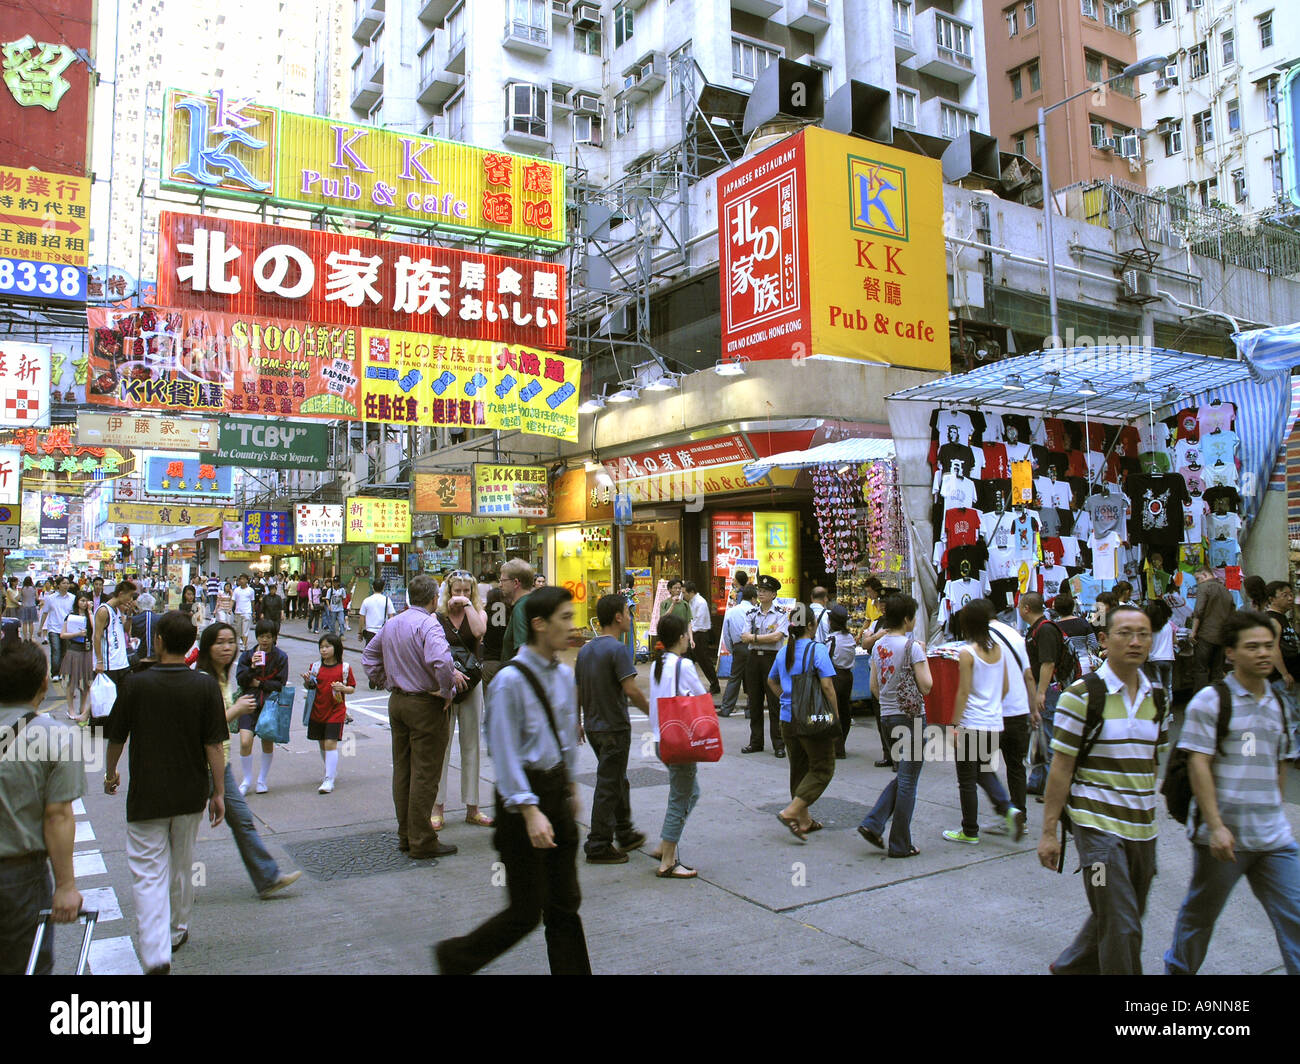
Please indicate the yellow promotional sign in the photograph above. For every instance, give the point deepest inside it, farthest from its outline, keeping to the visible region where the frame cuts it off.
(510, 490)
(135, 513)
(776, 546)
(219, 142)
(463, 527)
(46, 219)
(417, 378)
(877, 273)
(370, 520)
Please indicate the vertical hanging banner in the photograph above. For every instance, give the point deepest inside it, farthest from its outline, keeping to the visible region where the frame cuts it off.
(56, 512)
(24, 385)
(268, 528)
(11, 475)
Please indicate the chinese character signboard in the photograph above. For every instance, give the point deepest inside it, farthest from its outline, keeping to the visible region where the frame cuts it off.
(179, 516)
(442, 493)
(466, 527)
(179, 475)
(855, 271)
(318, 523)
(510, 491)
(56, 511)
(24, 385)
(684, 472)
(150, 432)
(776, 546)
(372, 520)
(241, 149)
(11, 475)
(259, 444)
(733, 539)
(268, 528)
(51, 457)
(111, 284)
(46, 96)
(11, 534)
(232, 535)
(237, 267)
(44, 232)
(69, 365)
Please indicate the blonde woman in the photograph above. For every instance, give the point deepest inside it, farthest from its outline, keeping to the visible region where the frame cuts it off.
(465, 623)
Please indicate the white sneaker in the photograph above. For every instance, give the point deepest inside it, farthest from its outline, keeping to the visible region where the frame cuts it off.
(995, 827)
(326, 785)
(243, 787)
(262, 788)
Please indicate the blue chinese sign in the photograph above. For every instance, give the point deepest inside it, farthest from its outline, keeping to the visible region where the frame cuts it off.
(268, 528)
(44, 280)
(177, 475)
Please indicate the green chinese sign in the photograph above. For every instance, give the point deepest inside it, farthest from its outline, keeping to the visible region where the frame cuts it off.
(259, 444)
(51, 457)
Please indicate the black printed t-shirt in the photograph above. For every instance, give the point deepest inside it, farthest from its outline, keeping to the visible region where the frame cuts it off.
(1157, 507)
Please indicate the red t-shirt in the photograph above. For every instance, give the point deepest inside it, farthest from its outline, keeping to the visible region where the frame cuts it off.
(995, 462)
(1129, 444)
(1055, 431)
(962, 527)
(1189, 427)
(325, 710)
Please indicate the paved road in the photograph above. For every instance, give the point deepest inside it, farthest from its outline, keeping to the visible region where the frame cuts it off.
(764, 902)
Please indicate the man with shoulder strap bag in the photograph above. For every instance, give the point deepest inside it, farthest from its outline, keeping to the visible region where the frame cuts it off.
(1226, 781)
(532, 732)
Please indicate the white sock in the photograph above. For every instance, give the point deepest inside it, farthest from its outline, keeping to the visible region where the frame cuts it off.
(246, 763)
(323, 755)
(331, 763)
(266, 765)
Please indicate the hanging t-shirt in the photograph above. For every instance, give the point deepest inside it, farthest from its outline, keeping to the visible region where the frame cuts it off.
(1052, 520)
(1022, 483)
(1096, 437)
(1222, 475)
(957, 459)
(958, 594)
(995, 462)
(1187, 453)
(991, 520)
(1194, 478)
(1106, 513)
(1025, 531)
(1019, 422)
(1047, 462)
(1230, 497)
(1051, 577)
(1218, 447)
(1114, 471)
(1156, 462)
(1017, 452)
(1157, 508)
(1216, 416)
(989, 493)
(1095, 462)
(1157, 580)
(1037, 431)
(1194, 511)
(1105, 556)
(992, 426)
(1084, 590)
(965, 563)
(1128, 443)
(1054, 434)
(957, 492)
(1052, 492)
(1000, 541)
(958, 419)
(1189, 427)
(1152, 436)
(1191, 557)
(961, 527)
(1052, 549)
(1222, 526)
(1224, 552)
(1069, 551)
(1027, 577)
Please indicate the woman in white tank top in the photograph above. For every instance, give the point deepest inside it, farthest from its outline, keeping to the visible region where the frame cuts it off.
(981, 687)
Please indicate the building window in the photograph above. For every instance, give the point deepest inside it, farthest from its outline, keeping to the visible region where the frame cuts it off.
(1275, 164)
(1115, 18)
(1270, 98)
(1035, 80)
(1239, 186)
(1013, 26)
(1208, 192)
(1164, 11)
(587, 129)
(1234, 116)
(1089, 8)
(530, 21)
(953, 122)
(1203, 128)
(1019, 143)
(1092, 67)
(454, 118)
(953, 37)
(1122, 85)
(676, 72)
(587, 41)
(1097, 131)
(624, 117)
(526, 109)
(622, 24)
(749, 59)
(1198, 61)
(1265, 30)
(1173, 137)
(1229, 40)
(1016, 91)
(906, 107)
(1031, 14)
(902, 16)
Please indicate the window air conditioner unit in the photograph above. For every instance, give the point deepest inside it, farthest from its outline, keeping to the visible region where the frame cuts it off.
(1106, 144)
(1171, 73)
(586, 16)
(1163, 84)
(1126, 7)
(1127, 146)
(1138, 285)
(586, 103)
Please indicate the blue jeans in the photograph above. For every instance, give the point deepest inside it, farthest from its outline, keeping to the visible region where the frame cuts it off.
(1161, 673)
(333, 619)
(898, 799)
(1038, 774)
(212, 605)
(56, 652)
(262, 868)
(683, 793)
(1274, 876)
(25, 889)
(975, 752)
(735, 681)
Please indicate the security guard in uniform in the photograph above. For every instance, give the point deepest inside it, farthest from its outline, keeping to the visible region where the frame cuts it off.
(768, 625)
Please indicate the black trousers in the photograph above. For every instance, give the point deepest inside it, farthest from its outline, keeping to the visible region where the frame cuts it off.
(702, 655)
(843, 697)
(756, 689)
(1015, 748)
(611, 807)
(543, 886)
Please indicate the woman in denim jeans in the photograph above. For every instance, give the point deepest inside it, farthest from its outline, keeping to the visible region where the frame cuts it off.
(1160, 663)
(898, 799)
(683, 788)
(217, 647)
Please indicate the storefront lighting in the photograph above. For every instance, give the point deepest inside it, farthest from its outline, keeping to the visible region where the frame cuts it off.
(1087, 388)
(1172, 394)
(591, 467)
(591, 405)
(730, 369)
(1013, 383)
(666, 383)
(625, 395)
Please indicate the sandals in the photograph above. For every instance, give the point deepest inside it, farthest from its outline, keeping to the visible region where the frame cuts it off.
(793, 826)
(481, 819)
(872, 837)
(816, 825)
(677, 871)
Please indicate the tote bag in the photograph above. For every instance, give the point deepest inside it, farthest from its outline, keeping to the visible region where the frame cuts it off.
(811, 715)
(277, 712)
(688, 727)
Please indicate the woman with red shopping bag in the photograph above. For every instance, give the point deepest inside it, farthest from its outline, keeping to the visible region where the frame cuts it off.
(675, 681)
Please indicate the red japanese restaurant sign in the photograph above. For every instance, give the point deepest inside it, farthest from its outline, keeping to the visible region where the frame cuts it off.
(698, 454)
(238, 267)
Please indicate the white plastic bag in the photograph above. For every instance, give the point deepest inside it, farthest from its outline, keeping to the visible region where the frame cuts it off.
(103, 693)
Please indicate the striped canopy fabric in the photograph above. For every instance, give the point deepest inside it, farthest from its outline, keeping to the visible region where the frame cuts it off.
(841, 452)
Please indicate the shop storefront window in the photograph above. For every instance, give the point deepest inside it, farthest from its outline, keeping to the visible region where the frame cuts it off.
(582, 565)
(655, 545)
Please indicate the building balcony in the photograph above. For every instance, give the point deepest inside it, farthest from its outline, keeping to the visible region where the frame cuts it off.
(644, 76)
(531, 136)
(368, 15)
(437, 83)
(433, 11)
(762, 8)
(810, 16)
(904, 49)
(365, 91)
(952, 60)
(527, 39)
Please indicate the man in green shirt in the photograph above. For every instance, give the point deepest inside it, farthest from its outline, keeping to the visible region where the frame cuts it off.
(676, 603)
(516, 583)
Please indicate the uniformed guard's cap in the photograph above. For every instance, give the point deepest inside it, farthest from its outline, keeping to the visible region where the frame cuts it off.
(839, 611)
(769, 583)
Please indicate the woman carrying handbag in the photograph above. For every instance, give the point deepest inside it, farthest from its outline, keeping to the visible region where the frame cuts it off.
(262, 670)
(674, 675)
(464, 623)
(330, 680)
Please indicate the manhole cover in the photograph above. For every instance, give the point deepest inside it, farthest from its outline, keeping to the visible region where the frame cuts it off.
(352, 856)
(637, 777)
(834, 813)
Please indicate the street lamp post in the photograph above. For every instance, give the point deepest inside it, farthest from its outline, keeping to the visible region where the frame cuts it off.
(1142, 66)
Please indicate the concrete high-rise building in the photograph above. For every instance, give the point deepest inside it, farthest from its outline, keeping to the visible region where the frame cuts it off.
(1215, 133)
(1041, 52)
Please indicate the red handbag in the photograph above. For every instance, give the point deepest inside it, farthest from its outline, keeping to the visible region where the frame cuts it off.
(688, 727)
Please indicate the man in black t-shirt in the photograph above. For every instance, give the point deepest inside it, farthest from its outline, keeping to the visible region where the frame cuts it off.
(606, 677)
(1281, 600)
(175, 720)
(273, 608)
(1044, 642)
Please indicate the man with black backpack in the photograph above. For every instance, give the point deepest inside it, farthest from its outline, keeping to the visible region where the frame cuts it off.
(1229, 792)
(1110, 727)
(1053, 664)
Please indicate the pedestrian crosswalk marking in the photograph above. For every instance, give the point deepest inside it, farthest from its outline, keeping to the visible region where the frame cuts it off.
(78, 807)
(102, 900)
(88, 863)
(85, 833)
(114, 956)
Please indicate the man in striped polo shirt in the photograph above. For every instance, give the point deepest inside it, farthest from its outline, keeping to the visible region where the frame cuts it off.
(1111, 801)
(1236, 823)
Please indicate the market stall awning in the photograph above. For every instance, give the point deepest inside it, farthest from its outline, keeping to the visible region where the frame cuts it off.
(1270, 352)
(841, 452)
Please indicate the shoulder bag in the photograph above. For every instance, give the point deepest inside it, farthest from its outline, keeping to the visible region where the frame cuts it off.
(461, 656)
(811, 715)
(688, 726)
(910, 699)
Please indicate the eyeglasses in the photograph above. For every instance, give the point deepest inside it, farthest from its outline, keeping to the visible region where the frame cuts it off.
(1127, 635)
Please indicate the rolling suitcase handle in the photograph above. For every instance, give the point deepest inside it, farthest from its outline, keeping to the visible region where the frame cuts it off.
(46, 915)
